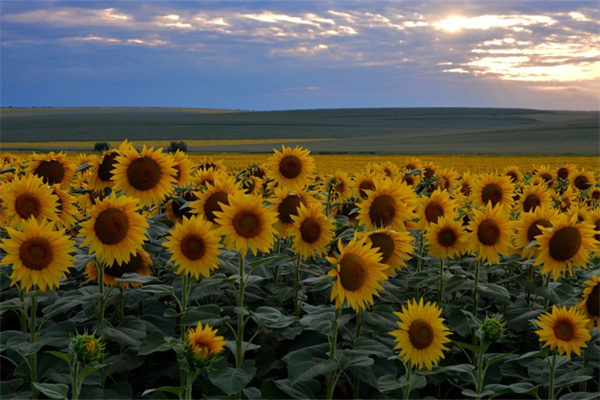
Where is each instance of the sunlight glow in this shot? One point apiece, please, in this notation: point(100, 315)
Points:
point(486, 22)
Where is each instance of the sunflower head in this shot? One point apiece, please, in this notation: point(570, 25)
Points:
point(311, 230)
point(589, 306)
point(139, 263)
point(389, 205)
point(202, 346)
point(292, 168)
point(359, 274)
point(446, 238)
point(490, 234)
point(393, 246)
point(28, 197)
point(492, 329)
point(421, 334)
point(52, 168)
point(564, 330)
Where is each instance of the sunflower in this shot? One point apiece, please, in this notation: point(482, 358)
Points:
point(39, 255)
point(388, 205)
point(52, 168)
point(286, 203)
point(490, 188)
point(447, 178)
point(430, 169)
point(311, 230)
point(102, 171)
point(194, 247)
point(429, 209)
point(292, 168)
point(565, 246)
point(208, 163)
point(394, 247)
point(582, 179)
point(139, 263)
point(514, 172)
point(252, 185)
point(466, 183)
point(183, 167)
point(421, 334)
point(490, 235)
point(390, 169)
point(28, 196)
point(563, 329)
point(115, 230)
point(359, 273)
point(204, 177)
point(533, 197)
point(214, 197)
point(65, 210)
point(246, 224)
point(528, 227)
point(411, 179)
point(413, 164)
point(363, 182)
point(340, 182)
point(147, 176)
point(83, 159)
point(593, 216)
point(446, 238)
point(589, 306)
point(566, 200)
point(565, 171)
point(173, 208)
point(544, 172)
point(204, 342)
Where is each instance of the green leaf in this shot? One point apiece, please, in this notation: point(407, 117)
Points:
point(302, 367)
point(354, 361)
point(497, 358)
point(298, 391)
point(63, 356)
point(494, 292)
point(471, 393)
point(90, 370)
point(272, 318)
point(580, 396)
point(156, 289)
point(177, 390)
point(369, 347)
point(207, 314)
point(132, 277)
point(53, 390)
point(153, 343)
point(233, 380)
point(388, 383)
point(12, 304)
point(467, 346)
point(130, 332)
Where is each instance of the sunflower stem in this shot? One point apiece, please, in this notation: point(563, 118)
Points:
point(23, 317)
point(356, 385)
point(476, 295)
point(547, 285)
point(75, 379)
point(480, 372)
point(297, 295)
point(331, 377)
point(276, 271)
point(33, 361)
point(552, 370)
point(100, 268)
point(419, 263)
point(240, 328)
point(121, 304)
point(442, 277)
point(407, 388)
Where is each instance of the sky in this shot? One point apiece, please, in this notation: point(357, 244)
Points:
point(281, 55)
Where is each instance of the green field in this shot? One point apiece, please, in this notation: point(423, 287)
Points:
point(378, 130)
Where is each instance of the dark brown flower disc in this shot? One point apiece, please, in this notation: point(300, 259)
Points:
point(111, 226)
point(565, 243)
point(420, 334)
point(36, 253)
point(488, 232)
point(310, 230)
point(193, 247)
point(51, 171)
point(246, 224)
point(144, 173)
point(384, 243)
point(290, 167)
point(382, 210)
point(353, 272)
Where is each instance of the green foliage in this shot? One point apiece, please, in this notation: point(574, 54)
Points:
point(101, 146)
point(174, 146)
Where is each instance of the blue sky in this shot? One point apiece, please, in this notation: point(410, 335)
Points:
point(257, 55)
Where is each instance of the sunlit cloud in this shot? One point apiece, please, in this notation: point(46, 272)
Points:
point(487, 22)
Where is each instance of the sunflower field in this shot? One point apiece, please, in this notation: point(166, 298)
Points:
point(140, 274)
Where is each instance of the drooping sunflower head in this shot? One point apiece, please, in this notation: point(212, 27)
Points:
point(394, 247)
point(563, 329)
point(466, 183)
point(148, 176)
point(431, 208)
point(28, 196)
point(341, 185)
point(413, 164)
point(311, 230)
point(66, 212)
point(287, 203)
point(421, 335)
point(491, 233)
point(252, 185)
point(446, 238)
point(204, 344)
point(565, 171)
point(490, 188)
point(589, 306)
point(194, 247)
point(390, 169)
point(101, 169)
point(447, 178)
point(544, 172)
point(430, 169)
point(247, 224)
point(359, 274)
point(139, 263)
point(389, 205)
point(201, 178)
point(214, 197)
point(363, 182)
point(183, 167)
point(52, 168)
point(532, 197)
point(115, 230)
point(207, 163)
point(40, 255)
point(292, 168)
point(514, 173)
point(528, 226)
point(565, 245)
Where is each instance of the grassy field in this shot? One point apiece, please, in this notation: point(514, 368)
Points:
point(370, 131)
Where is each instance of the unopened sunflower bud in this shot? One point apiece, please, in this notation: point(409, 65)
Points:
point(492, 329)
point(87, 348)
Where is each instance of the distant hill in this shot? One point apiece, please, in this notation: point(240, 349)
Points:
point(369, 130)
